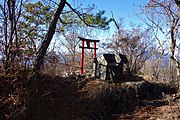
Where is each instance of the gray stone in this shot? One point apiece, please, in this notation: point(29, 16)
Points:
point(109, 67)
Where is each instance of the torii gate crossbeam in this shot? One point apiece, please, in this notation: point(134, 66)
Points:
point(88, 46)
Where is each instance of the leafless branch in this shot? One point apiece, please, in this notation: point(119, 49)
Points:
point(167, 8)
point(117, 26)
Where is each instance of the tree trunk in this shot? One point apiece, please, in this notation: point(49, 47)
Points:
point(173, 58)
point(49, 36)
point(34, 96)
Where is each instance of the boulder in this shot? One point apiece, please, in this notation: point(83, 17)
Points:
point(109, 67)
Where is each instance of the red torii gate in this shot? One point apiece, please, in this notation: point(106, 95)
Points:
point(88, 46)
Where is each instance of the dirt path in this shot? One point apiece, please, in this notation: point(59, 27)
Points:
point(169, 111)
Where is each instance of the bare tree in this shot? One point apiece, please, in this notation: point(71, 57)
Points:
point(164, 19)
point(134, 43)
point(70, 42)
point(10, 12)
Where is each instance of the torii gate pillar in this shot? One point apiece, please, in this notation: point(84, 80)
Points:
point(88, 46)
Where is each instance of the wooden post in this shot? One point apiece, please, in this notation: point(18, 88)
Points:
point(95, 60)
point(82, 59)
point(94, 49)
point(88, 46)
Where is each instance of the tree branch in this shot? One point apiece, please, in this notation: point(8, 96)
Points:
point(79, 15)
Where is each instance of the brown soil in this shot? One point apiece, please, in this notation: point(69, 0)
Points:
point(77, 98)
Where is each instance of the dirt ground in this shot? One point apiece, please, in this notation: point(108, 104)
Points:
point(78, 98)
point(164, 112)
point(167, 107)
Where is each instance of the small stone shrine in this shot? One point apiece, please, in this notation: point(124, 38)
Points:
point(109, 67)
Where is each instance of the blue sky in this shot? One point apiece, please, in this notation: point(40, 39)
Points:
point(121, 9)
